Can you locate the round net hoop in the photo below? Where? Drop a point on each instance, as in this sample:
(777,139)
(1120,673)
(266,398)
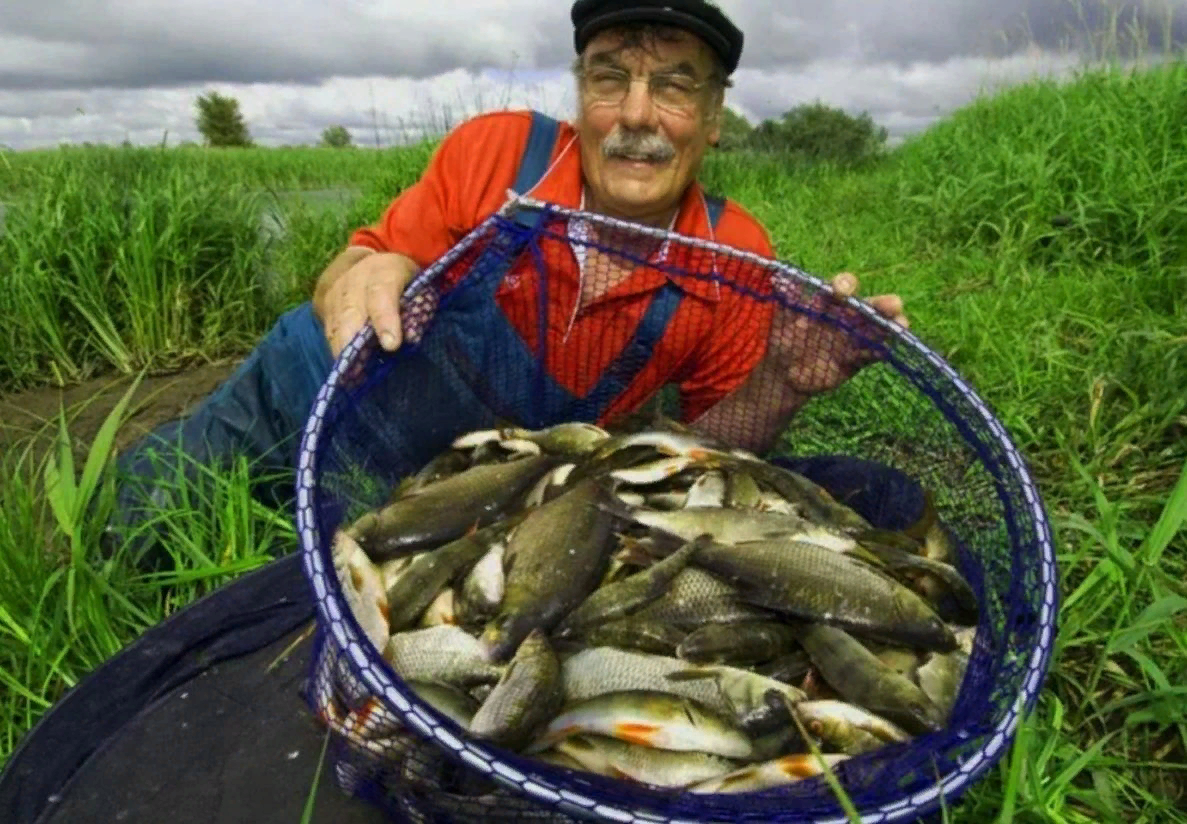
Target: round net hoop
(1022,631)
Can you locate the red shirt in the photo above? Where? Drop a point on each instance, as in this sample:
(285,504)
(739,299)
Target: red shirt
(714,339)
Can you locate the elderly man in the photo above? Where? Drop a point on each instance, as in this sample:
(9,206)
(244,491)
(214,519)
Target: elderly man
(651,77)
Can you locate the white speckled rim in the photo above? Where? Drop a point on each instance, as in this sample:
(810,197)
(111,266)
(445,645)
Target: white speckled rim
(382,680)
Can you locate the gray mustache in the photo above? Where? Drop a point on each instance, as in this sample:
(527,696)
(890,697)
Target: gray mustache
(650,147)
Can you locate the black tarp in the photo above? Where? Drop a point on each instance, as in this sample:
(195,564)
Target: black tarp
(191,723)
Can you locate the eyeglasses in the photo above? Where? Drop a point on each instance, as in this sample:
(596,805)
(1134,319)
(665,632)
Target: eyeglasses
(671,91)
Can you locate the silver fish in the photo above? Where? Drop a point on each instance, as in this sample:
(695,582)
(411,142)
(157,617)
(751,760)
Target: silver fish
(362,588)
(651,719)
(777,773)
(597,671)
(482,589)
(940,678)
(708,490)
(443,610)
(646,765)
(446,654)
(848,728)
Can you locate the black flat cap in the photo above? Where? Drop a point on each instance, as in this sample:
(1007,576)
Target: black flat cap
(697,16)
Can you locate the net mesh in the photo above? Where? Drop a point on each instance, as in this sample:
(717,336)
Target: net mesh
(707,314)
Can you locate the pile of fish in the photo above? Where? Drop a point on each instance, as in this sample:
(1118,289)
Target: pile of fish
(651,606)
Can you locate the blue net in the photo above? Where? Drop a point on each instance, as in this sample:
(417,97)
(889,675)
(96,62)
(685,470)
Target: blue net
(482,349)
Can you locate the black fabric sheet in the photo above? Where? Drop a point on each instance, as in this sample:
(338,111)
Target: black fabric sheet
(188,724)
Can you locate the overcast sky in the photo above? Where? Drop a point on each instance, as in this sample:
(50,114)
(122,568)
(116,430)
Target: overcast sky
(110,70)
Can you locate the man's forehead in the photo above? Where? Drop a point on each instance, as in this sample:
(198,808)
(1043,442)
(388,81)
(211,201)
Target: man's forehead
(669,47)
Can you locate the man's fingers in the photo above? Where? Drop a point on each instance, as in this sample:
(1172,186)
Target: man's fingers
(383,289)
(890,306)
(345,324)
(845,284)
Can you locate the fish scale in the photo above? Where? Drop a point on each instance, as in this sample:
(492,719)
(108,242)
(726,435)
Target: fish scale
(695,598)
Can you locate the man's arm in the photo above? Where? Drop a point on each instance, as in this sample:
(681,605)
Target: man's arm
(755,414)
(804,357)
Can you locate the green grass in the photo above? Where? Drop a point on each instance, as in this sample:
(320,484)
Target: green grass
(1075,334)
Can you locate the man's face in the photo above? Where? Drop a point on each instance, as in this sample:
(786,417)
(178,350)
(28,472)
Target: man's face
(640,153)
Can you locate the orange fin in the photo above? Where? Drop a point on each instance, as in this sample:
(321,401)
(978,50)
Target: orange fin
(636,733)
(801,765)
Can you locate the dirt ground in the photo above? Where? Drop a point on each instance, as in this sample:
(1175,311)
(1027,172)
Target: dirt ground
(158,398)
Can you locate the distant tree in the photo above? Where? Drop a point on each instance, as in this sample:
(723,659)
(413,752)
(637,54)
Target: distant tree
(817,132)
(336,137)
(735,130)
(220,122)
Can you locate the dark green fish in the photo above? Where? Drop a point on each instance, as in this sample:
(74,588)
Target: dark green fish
(448,463)
(446,510)
(904,564)
(528,695)
(620,599)
(554,559)
(861,678)
(790,668)
(741,490)
(738,644)
(432,571)
(635,633)
(810,499)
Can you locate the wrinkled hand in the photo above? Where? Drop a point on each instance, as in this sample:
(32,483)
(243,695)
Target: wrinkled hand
(815,356)
(369,290)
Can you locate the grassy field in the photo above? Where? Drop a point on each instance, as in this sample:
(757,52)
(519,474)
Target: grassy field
(1039,238)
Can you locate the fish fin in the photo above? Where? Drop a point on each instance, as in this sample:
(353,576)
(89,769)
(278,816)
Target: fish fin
(800,765)
(614,772)
(920,528)
(692,674)
(634,551)
(875,539)
(549,739)
(619,509)
(739,777)
(576,742)
(636,732)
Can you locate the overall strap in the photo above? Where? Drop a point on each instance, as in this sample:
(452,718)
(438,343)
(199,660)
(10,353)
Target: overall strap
(715,205)
(635,355)
(533,163)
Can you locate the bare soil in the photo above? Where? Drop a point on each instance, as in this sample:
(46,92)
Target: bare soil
(32,415)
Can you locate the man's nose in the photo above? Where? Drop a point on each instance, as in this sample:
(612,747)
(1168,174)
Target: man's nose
(638,109)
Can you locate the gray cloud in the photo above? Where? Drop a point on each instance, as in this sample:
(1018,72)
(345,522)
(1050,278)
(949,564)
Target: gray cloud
(98,70)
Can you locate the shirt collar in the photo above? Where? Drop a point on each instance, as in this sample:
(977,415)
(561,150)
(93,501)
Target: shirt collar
(649,278)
